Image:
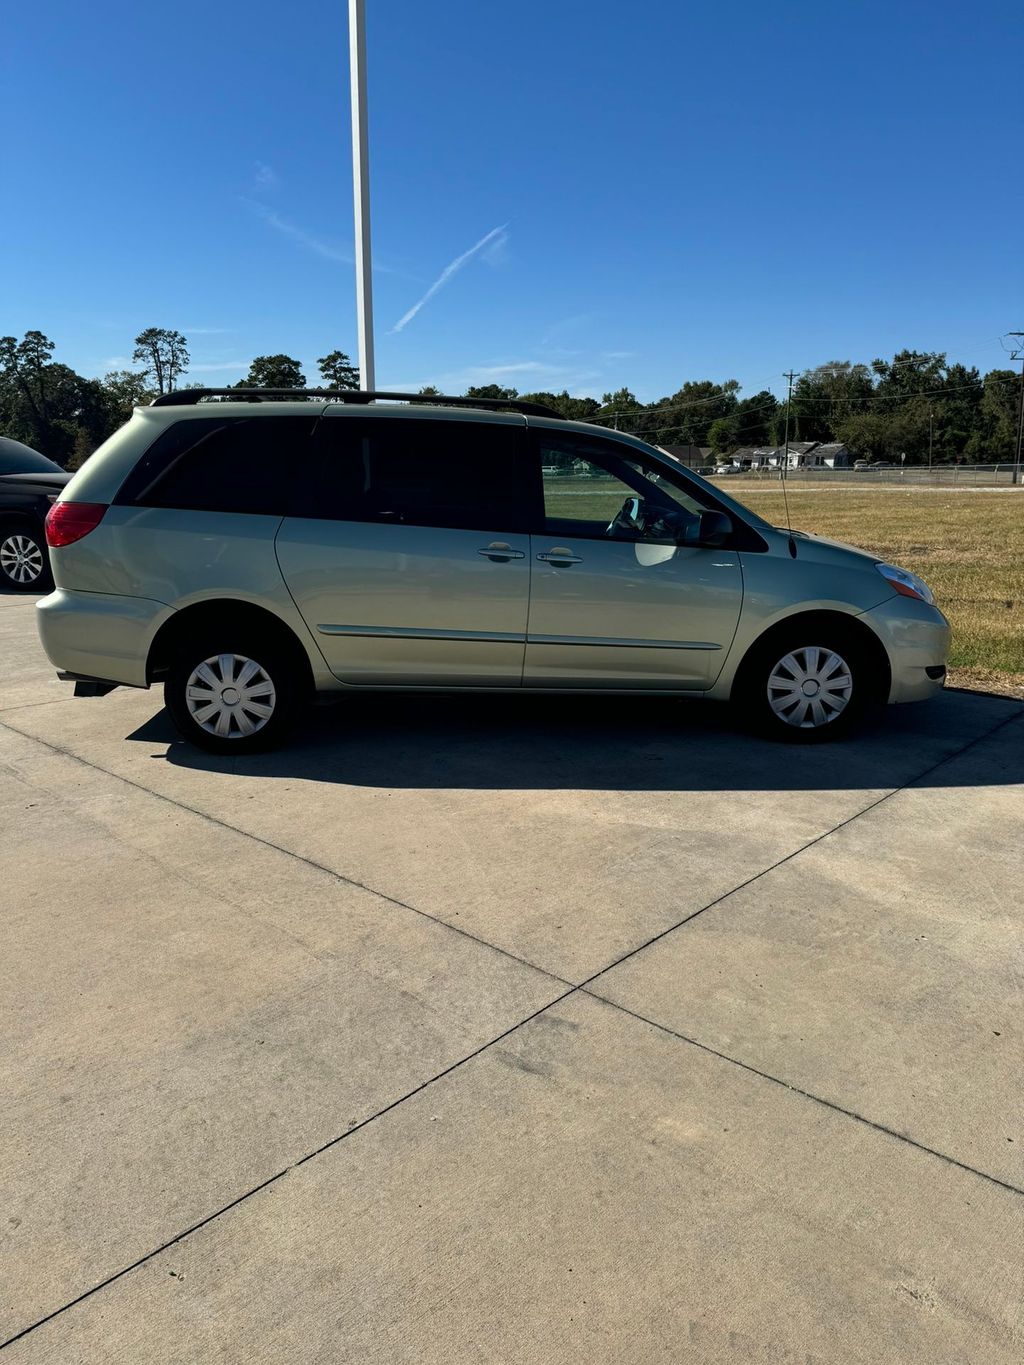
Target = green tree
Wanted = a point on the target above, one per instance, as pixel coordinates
(23, 370)
(44, 403)
(571, 408)
(126, 390)
(722, 434)
(164, 354)
(755, 419)
(685, 417)
(623, 411)
(909, 374)
(826, 396)
(82, 449)
(995, 434)
(337, 371)
(429, 391)
(915, 386)
(956, 412)
(273, 372)
(493, 392)
(887, 435)
(91, 409)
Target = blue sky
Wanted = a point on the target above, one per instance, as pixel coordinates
(663, 191)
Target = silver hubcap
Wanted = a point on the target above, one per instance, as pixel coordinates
(21, 559)
(810, 687)
(230, 696)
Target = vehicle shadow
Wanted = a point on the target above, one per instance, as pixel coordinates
(535, 742)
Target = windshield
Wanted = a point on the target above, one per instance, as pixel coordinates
(18, 459)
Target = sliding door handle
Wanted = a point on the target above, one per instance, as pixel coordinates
(500, 553)
(557, 557)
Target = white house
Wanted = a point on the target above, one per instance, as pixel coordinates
(835, 455)
(812, 455)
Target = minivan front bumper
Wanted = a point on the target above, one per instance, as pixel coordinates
(99, 636)
(916, 639)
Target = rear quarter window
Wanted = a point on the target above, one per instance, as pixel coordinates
(222, 464)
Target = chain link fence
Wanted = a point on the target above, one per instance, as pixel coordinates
(910, 476)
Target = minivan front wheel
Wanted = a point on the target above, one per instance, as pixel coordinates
(805, 688)
(231, 696)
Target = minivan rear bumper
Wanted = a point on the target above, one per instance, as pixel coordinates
(98, 635)
(916, 639)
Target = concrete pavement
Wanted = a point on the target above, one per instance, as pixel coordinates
(510, 1029)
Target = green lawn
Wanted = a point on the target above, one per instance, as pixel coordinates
(586, 499)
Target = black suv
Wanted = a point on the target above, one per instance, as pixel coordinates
(29, 483)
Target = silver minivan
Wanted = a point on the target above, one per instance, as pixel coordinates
(250, 553)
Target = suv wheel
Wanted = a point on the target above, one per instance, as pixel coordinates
(231, 696)
(24, 562)
(811, 686)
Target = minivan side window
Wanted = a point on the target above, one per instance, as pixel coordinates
(457, 474)
(223, 464)
(587, 483)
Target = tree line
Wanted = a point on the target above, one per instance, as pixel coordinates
(66, 416)
(917, 404)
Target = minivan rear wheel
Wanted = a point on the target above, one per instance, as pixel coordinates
(231, 696)
(805, 687)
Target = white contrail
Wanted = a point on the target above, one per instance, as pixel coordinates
(332, 253)
(451, 269)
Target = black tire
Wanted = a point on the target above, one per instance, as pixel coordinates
(275, 683)
(771, 696)
(24, 558)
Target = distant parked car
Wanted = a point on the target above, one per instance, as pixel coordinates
(706, 469)
(29, 484)
(862, 464)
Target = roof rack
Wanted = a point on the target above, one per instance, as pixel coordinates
(179, 398)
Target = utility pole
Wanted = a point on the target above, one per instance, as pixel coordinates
(1018, 353)
(361, 190)
(929, 436)
(789, 400)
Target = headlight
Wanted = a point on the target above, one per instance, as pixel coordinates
(906, 582)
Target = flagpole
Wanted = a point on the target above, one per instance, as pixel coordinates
(361, 191)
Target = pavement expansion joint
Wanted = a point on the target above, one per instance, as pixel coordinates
(582, 988)
(807, 1094)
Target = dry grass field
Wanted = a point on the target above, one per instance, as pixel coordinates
(969, 547)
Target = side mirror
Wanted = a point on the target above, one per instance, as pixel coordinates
(710, 529)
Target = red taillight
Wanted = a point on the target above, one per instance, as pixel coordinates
(67, 522)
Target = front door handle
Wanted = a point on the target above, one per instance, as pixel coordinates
(560, 556)
(500, 553)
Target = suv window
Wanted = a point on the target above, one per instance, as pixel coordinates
(461, 475)
(588, 482)
(223, 464)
